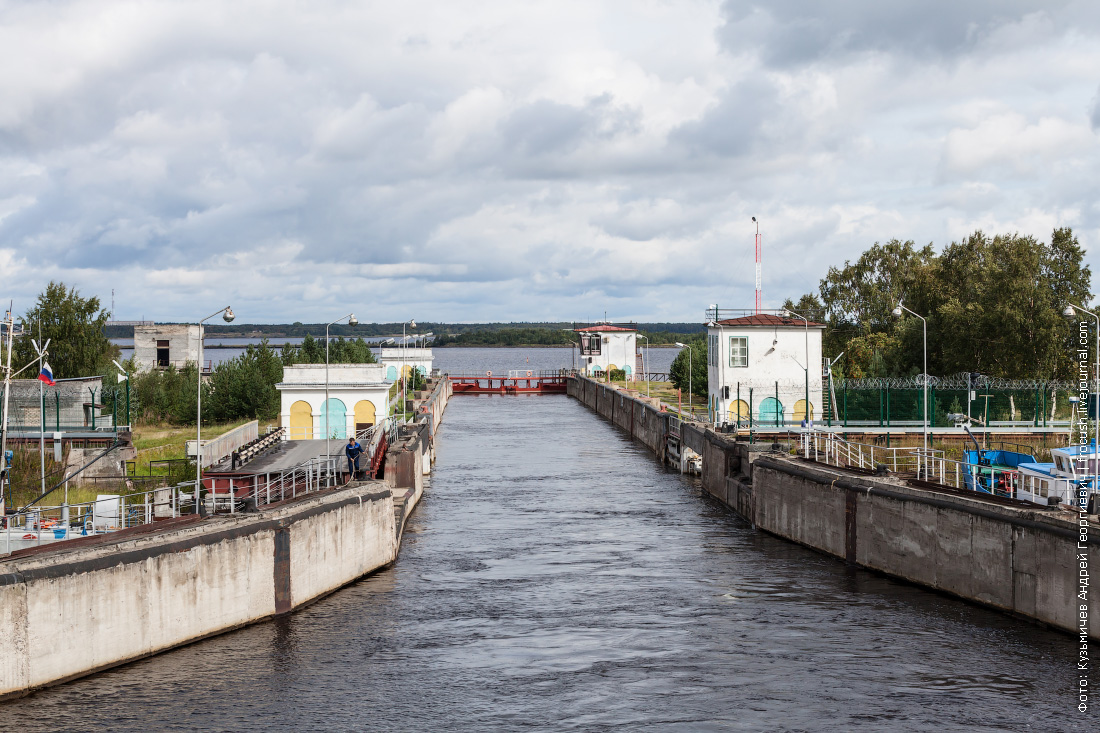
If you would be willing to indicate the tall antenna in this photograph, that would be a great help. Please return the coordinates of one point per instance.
(758, 278)
(112, 302)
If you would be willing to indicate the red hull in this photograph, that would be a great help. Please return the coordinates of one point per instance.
(507, 386)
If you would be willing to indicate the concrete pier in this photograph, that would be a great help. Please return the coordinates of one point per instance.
(1014, 559)
(76, 607)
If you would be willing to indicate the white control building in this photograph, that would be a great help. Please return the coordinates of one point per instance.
(358, 399)
(606, 347)
(757, 364)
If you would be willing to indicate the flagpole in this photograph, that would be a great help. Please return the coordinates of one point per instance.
(42, 408)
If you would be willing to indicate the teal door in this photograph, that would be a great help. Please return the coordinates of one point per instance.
(771, 411)
(336, 425)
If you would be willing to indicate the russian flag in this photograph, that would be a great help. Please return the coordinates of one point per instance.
(46, 375)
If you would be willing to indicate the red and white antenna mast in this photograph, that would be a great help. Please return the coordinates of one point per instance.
(757, 265)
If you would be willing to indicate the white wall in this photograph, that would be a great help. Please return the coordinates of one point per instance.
(395, 356)
(348, 383)
(618, 349)
(183, 344)
(348, 374)
(67, 613)
(776, 354)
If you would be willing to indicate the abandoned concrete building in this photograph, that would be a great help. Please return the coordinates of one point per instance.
(162, 346)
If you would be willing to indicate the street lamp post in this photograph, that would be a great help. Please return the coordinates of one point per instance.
(806, 408)
(227, 315)
(645, 360)
(1068, 313)
(690, 405)
(352, 321)
(404, 358)
(897, 314)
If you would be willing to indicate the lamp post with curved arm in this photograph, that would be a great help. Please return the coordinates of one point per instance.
(352, 321)
(690, 405)
(806, 411)
(227, 315)
(404, 358)
(644, 362)
(897, 314)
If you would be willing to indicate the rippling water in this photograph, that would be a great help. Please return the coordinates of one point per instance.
(556, 576)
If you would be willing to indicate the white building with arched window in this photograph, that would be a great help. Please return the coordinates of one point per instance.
(757, 364)
(358, 398)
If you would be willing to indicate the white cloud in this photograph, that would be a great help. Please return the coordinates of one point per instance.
(546, 160)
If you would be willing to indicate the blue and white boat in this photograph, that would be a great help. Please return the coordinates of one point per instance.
(995, 470)
(1061, 481)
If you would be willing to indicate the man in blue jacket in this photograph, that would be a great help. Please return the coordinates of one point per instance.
(353, 450)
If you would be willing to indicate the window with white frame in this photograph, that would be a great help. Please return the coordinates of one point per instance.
(712, 350)
(739, 351)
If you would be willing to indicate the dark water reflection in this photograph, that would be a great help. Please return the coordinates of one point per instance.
(557, 577)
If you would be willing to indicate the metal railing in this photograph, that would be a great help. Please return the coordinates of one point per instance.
(218, 449)
(934, 466)
(834, 450)
(512, 374)
(111, 513)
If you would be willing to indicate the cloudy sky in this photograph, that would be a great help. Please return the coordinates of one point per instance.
(454, 161)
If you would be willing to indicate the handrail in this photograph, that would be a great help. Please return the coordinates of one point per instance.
(144, 507)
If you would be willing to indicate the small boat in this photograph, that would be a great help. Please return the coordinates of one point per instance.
(1071, 473)
(995, 470)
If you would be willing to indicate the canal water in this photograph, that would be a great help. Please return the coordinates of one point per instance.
(555, 576)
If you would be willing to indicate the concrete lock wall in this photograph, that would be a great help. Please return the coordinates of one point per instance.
(640, 417)
(70, 612)
(1019, 560)
(1013, 559)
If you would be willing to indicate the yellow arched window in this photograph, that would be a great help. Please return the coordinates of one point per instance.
(800, 411)
(301, 421)
(364, 415)
(739, 410)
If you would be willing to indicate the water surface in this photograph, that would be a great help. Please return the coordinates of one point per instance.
(557, 577)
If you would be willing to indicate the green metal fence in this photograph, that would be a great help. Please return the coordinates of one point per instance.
(890, 402)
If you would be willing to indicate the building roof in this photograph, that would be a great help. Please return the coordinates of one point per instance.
(767, 320)
(601, 329)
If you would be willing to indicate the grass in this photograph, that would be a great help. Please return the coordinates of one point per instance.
(153, 442)
(666, 393)
(159, 442)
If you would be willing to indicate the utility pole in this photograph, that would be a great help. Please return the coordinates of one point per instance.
(10, 323)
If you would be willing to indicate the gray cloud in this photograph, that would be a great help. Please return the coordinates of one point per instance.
(787, 32)
(732, 127)
(544, 165)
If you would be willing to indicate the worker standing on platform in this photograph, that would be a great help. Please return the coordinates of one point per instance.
(353, 450)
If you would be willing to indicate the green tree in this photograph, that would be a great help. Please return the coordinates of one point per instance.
(1001, 300)
(75, 329)
(992, 305)
(244, 387)
(312, 351)
(341, 351)
(678, 372)
(165, 395)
